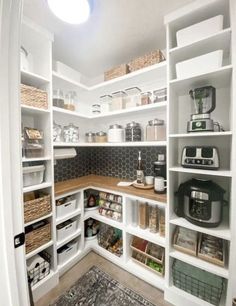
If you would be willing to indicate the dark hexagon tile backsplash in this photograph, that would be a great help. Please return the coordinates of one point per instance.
(109, 161)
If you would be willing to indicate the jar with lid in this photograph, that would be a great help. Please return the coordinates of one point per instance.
(57, 132)
(160, 95)
(96, 109)
(71, 133)
(146, 98)
(105, 102)
(156, 130)
(143, 215)
(58, 98)
(133, 131)
(133, 97)
(153, 218)
(101, 136)
(90, 137)
(118, 100)
(70, 100)
(116, 133)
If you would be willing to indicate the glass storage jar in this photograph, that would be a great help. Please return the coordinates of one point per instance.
(90, 137)
(118, 100)
(146, 98)
(133, 131)
(58, 98)
(153, 218)
(133, 97)
(70, 100)
(57, 132)
(143, 215)
(160, 95)
(101, 136)
(116, 133)
(105, 102)
(156, 130)
(71, 133)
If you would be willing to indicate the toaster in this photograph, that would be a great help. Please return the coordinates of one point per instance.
(200, 157)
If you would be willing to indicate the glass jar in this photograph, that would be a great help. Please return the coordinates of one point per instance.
(70, 100)
(133, 132)
(96, 109)
(153, 218)
(90, 137)
(160, 95)
(101, 136)
(156, 130)
(71, 133)
(133, 97)
(146, 98)
(118, 100)
(57, 132)
(58, 98)
(116, 133)
(105, 102)
(143, 215)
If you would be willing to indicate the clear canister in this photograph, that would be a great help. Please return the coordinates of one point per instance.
(105, 102)
(58, 98)
(156, 130)
(118, 100)
(133, 131)
(146, 98)
(90, 137)
(71, 133)
(101, 136)
(133, 97)
(153, 218)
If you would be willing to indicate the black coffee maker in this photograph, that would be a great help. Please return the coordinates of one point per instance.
(160, 166)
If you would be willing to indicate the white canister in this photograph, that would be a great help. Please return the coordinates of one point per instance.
(116, 133)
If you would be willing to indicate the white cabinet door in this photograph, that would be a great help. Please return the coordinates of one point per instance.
(13, 282)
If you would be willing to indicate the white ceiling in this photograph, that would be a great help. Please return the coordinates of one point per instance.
(117, 31)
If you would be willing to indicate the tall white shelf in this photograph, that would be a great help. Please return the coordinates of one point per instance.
(179, 113)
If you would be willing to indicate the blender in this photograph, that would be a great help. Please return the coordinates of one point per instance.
(204, 103)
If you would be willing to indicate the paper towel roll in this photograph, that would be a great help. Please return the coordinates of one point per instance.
(234, 302)
(44, 270)
(34, 262)
(37, 268)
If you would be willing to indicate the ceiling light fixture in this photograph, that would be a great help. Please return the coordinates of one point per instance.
(70, 11)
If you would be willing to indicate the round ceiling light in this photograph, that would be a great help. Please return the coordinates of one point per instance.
(70, 11)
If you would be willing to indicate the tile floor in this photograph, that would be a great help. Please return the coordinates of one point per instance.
(69, 278)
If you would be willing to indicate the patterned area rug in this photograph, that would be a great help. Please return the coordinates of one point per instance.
(96, 288)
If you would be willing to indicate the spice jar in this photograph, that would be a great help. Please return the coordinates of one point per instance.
(143, 215)
(146, 98)
(133, 131)
(105, 102)
(116, 133)
(57, 132)
(153, 218)
(58, 98)
(71, 133)
(90, 137)
(96, 109)
(156, 130)
(101, 137)
(160, 95)
(133, 97)
(118, 100)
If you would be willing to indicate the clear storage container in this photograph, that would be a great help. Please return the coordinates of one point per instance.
(116, 133)
(71, 133)
(101, 136)
(33, 143)
(133, 132)
(156, 130)
(118, 100)
(33, 175)
(160, 95)
(90, 137)
(57, 132)
(146, 98)
(133, 97)
(58, 98)
(70, 100)
(105, 102)
(96, 109)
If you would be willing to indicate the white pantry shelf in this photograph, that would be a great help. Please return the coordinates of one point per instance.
(30, 110)
(96, 215)
(69, 216)
(33, 79)
(111, 144)
(37, 187)
(224, 173)
(68, 239)
(40, 249)
(201, 134)
(34, 159)
(199, 263)
(39, 219)
(221, 231)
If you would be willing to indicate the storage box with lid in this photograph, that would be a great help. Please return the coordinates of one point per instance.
(33, 143)
(156, 130)
(105, 102)
(65, 206)
(118, 100)
(34, 97)
(67, 251)
(66, 229)
(33, 175)
(133, 97)
(116, 72)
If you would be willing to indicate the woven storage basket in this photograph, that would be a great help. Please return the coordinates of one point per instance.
(116, 72)
(35, 97)
(37, 208)
(37, 237)
(146, 60)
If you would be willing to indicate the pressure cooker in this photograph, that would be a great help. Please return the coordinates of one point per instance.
(200, 202)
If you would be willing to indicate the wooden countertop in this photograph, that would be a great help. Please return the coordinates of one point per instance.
(105, 182)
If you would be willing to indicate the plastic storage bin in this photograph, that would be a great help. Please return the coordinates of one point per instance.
(199, 65)
(33, 175)
(118, 100)
(66, 229)
(65, 206)
(66, 252)
(199, 30)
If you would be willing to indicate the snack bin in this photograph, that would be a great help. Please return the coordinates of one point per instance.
(65, 208)
(66, 252)
(33, 175)
(66, 229)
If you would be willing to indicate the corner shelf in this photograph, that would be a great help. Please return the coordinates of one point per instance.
(112, 144)
(95, 215)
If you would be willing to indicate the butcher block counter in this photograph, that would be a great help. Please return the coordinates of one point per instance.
(109, 183)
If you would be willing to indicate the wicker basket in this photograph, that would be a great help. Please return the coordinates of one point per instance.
(35, 97)
(116, 72)
(37, 237)
(37, 208)
(146, 60)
